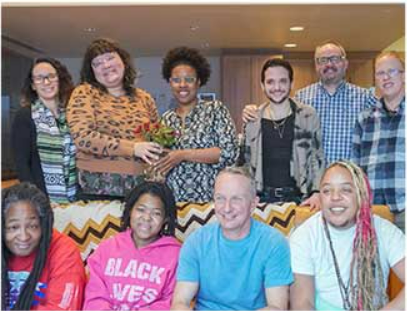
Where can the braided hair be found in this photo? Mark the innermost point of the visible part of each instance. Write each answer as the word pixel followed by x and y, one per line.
pixel 160 191
pixel 26 192
pixel 369 292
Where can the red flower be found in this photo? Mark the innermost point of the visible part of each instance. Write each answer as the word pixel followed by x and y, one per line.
pixel 146 126
pixel 138 129
pixel 157 132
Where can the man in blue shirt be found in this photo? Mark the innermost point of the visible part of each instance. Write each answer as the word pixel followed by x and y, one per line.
pixel 379 137
pixel 236 263
pixel 337 102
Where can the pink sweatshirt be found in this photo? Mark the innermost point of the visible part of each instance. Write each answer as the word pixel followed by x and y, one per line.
pixel 123 277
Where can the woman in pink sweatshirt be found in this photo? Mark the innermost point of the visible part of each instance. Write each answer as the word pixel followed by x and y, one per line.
pixel 135 269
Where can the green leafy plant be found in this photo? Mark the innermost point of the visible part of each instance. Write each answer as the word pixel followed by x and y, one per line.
pixel 158 132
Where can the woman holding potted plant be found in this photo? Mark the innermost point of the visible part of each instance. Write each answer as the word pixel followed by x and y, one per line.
pixel 102 114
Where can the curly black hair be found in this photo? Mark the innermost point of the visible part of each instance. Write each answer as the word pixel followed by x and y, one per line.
pixel 65 83
pixel 105 45
pixel 160 191
pixel 26 192
pixel 186 56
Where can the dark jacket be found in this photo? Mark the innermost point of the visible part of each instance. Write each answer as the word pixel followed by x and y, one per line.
pixel 24 147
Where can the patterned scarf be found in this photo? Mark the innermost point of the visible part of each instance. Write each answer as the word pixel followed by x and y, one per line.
pixel 57 153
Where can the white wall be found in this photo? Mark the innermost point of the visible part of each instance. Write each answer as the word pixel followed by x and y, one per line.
pixel 151 79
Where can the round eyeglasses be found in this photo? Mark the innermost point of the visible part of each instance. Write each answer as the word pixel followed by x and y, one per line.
pixel 187 80
pixel 392 72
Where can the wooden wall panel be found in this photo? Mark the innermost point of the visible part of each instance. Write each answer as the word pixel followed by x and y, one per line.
pixel 236 85
pixel 304 73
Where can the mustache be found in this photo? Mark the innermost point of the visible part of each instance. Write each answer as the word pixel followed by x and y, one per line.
pixel 330 68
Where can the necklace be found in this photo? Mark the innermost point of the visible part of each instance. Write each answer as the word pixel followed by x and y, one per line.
pixel 280 126
pixel 343 289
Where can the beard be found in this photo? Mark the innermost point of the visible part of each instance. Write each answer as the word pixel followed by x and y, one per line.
pixel 283 99
pixel 332 79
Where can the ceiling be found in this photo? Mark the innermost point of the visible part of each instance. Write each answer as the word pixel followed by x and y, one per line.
pixel 150 30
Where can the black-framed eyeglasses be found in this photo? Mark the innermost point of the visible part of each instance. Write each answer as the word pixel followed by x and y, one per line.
pixel 187 80
pixel 52 77
pixel 392 72
pixel 335 59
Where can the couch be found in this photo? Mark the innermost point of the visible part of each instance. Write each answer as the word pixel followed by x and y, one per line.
pixel 90 223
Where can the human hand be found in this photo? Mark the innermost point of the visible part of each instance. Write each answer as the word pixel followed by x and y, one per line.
pixel 249 113
pixel 147 151
pixel 171 160
pixel 314 202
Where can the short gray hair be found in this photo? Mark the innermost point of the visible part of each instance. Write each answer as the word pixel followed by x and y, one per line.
pixel 244 171
pixel 393 54
pixel 332 42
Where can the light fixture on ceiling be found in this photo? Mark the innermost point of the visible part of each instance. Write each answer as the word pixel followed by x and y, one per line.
pixel 296 28
pixel 194 27
pixel 89 29
pixel 290 45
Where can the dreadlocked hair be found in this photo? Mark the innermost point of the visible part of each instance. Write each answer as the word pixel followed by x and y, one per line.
pixel 26 192
pixel 160 191
pixel 369 292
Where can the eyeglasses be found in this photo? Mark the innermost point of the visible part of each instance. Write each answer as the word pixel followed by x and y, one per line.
pixel 52 77
pixel 98 61
pixel 335 59
pixel 392 72
pixel 187 80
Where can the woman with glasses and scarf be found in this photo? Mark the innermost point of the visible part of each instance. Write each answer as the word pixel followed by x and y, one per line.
pixel 42 145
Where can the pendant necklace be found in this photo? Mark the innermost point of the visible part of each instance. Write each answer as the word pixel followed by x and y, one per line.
pixel 280 127
pixel 343 289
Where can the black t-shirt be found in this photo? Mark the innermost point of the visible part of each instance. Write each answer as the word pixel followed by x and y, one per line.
pixel 277 141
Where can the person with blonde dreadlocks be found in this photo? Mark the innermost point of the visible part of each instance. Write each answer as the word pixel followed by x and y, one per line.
pixel 341 256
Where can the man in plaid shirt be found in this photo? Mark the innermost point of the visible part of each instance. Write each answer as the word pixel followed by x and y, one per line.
pixel 379 137
pixel 337 102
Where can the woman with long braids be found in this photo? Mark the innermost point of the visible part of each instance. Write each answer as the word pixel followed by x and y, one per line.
pixel 41 268
pixel 341 256
pixel 135 270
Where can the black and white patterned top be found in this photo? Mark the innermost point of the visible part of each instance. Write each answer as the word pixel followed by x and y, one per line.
pixel 208 125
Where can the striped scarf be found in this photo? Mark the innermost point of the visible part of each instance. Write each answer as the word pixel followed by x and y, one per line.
pixel 57 153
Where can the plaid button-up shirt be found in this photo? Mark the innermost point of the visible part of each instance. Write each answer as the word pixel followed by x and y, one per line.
pixel 338 114
pixel 379 148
